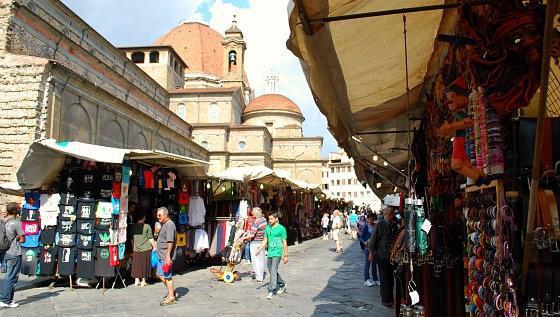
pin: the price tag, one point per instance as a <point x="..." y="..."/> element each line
<point x="426" y="226"/>
<point x="414" y="297"/>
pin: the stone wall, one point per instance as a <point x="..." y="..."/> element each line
<point x="215" y="138"/>
<point x="22" y="84"/>
<point x="275" y="121"/>
<point x="208" y="107"/>
<point x="245" y="139"/>
<point x="297" y="149"/>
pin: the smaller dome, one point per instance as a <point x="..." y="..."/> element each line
<point x="272" y="102"/>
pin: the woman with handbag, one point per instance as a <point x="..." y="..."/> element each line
<point x="143" y="244"/>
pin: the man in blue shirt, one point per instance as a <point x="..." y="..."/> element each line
<point x="353" y="220"/>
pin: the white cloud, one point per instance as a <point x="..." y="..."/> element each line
<point x="265" y="28"/>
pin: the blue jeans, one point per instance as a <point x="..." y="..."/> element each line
<point x="275" y="280"/>
<point x="369" y="265"/>
<point x="247" y="252"/>
<point x="12" y="274"/>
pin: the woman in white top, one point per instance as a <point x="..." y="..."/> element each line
<point x="325" y="226"/>
<point x="337" y="225"/>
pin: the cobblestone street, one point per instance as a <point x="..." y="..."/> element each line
<point x="319" y="283"/>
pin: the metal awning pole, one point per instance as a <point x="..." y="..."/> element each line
<point x="539" y="138"/>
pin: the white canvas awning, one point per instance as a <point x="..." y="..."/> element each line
<point x="266" y="176"/>
<point x="356" y="71"/>
<point x="45" y="158"/>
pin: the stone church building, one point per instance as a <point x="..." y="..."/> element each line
<point x="187" y="94"/>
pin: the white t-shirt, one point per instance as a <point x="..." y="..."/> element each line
<point x="337" y="223"/>
<point x="197" y="211"/>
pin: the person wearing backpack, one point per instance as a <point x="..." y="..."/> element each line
<point x="11" y="237"/>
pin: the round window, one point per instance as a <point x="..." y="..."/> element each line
<point x="204" y="144"/>
<point x="241" y="145"/>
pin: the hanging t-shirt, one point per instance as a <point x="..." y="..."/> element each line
<point x="86" y="209"/>
<point x="183" y="198"/>
<point x="122" y="220"/>
<point x="125" y="174"/>
<point x="30" y="214"/>
<point x="49" y="202"/>
<point x="106" y="179"/>
<point x="102" y="266"/>
<point x="115" y="222"/>
<point x="30" y="228"/>
<point x="114" y="255"/>
<point x="104" y="209"/>
<point x="48" y="235"/>
<point x="85" y="242"/>
<point x="141" y="181"/>
<point x="67" y="226"/>
<point x="148" y="179"/>
<point x="197" y="211"/>
<point x="86" y="264"/>
<point x="86" y="227"/>
<point x="183" y="219"/>
<point x="68" y="182"/>
<point x="29" y="260"/>
<point x="102" y="238"/>
<point x="67" y="240"/>
<point x="171" y="179"/>
<point x="103" y="223"/>
<point x="49" y="218"/>
<point x="31" y="241"/>
<point x="88" y="187"/>
<point x="122" y="249"/>
<point x="47" y="259"/>
<point x="117" y="189"/>
<point x="66" y="261"/>
<point x="68" y="199"/>
<point x="68" y="210"/>
<point x="116" y="205"/>
<point x="114" y="236"/>
<point x="201" y="242"/>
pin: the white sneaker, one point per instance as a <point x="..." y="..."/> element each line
<point x="368" y="283"/>
<point x="376" y="283"/>
<point x="281" y="289"/>
<point x="270" y="295"/>
<point x="4" y="305"/>
<point x="13" y="305"/>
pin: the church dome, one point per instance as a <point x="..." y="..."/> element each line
<point x="272" y="102"/>
<point x="198" y="45"/>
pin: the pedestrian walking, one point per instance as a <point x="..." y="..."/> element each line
<point x="12" y="235"/>
<point x="143" y="243"/>
<point x="379" y="246"/>
<point x="275" y="240"/>
<point x="353" y="223"/>
<point x="325" y="226"/>
<point x="256" y="237"/>
<point x="336" y="232"/>
<point x="362" y="223"/>
<point x="369" y="266"/>
<point x="166" y="254"/>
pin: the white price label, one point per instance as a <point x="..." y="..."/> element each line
<point x="426" y="226"/>
<point x="414" y="297"/>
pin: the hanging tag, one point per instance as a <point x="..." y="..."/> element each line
<point x="426" y="226"/>
<point x="414" y="297"/>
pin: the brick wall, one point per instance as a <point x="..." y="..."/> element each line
<point x="22" y="82"/>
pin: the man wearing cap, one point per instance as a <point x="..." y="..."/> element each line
<point x="15" y="236"/>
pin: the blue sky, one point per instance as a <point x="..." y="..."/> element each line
<point x="264" y="24"/>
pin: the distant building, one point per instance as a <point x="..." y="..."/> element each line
<point x="340" y="182"/>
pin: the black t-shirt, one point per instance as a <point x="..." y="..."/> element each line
<point x="66" y="225"/>
<point x="67" y="210"/>
<point x="48" y="235"/>
<point x="66" y="260"/>
<point x="103" y="223"/>
<point x="86" y="226"/>
<point x="67" y="240"/>
<point x="115" y="222"/>
<point x="102" y="266"/>
<point x="85" y="242"/>
<point x="29" y="260"/>
<point x="47" y="259"/>
<point x="86" y="264"/>
<point x="68" y="199"/>
<point x="88" y="187"/>
<point x="69" y="182"/>
<point x="86" y="209"/>
<point x="29" y="215"/>
<point x="106" y="176"/>
<point x="102" y="238"/>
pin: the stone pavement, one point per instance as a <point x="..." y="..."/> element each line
<point x="319" y="283"/>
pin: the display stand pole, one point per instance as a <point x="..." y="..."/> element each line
<point x="118" y="276"/>
<point x="70" y="277"/>
<point x="545" y="73"/>
<point x="102" y="285"/>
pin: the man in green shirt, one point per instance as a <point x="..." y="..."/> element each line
<point x="275" y="238"/>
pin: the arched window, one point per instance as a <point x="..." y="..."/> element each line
<point x="138" y="57"/>
<point x="181" y="111"/>
<point x="213" y="112"/>
<point x="232" y="57"/>
<point x="154" y="57"/>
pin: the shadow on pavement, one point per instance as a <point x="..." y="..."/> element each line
<point x="181" y="291"/>
<point x="345" y="293"/>
<point x="44" y="295"/>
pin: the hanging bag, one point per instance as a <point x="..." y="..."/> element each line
<point x="155" y="259"/>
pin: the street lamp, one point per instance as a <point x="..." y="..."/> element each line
<point x="375" y="158"/>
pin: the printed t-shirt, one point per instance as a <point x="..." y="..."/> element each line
<point x="275" y="236"/>
<point x="114" y="255"/>
<point x="13" y="230"/>
<point x="67" y="240"/>
<point x="88" y="187"/>
<point x="68" y="199"/>
<point x="86" y="264"/>
<point x="68" y="182"/>
<point x="183" y="198"/>
<point x="125" y="174"/>
<point x="353" y="218"/>
<point x="104" y="209"/>
<point x="106" y="177"/>
<point x="48" y="235"/>
<point x="141" y="233"/>
<point x="49" y="202"/>
<point x="102" y="238"/>
<point x="86" y="227"/>
<point x="31" y="241"/>
<point x="103" y="223"/>
<point x="67" y="225"/>
<point x="86" y="209"/>
<point x="66" y="261"/>
<point x="171" y="180"/>
<point x="257" y="229"/>
<point x="148" y="179"/>
<point x="117" y="186"/>
<point x="29" y="214"/>
<point x="47" y="259"/>
<point x="166" y="234"/>
<point x="29" y="260"/>
<point x="68" y="210"/>
<point x="30" y="228"/>
<point x="102" y="266"/>
<point x="85" y="242"/>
